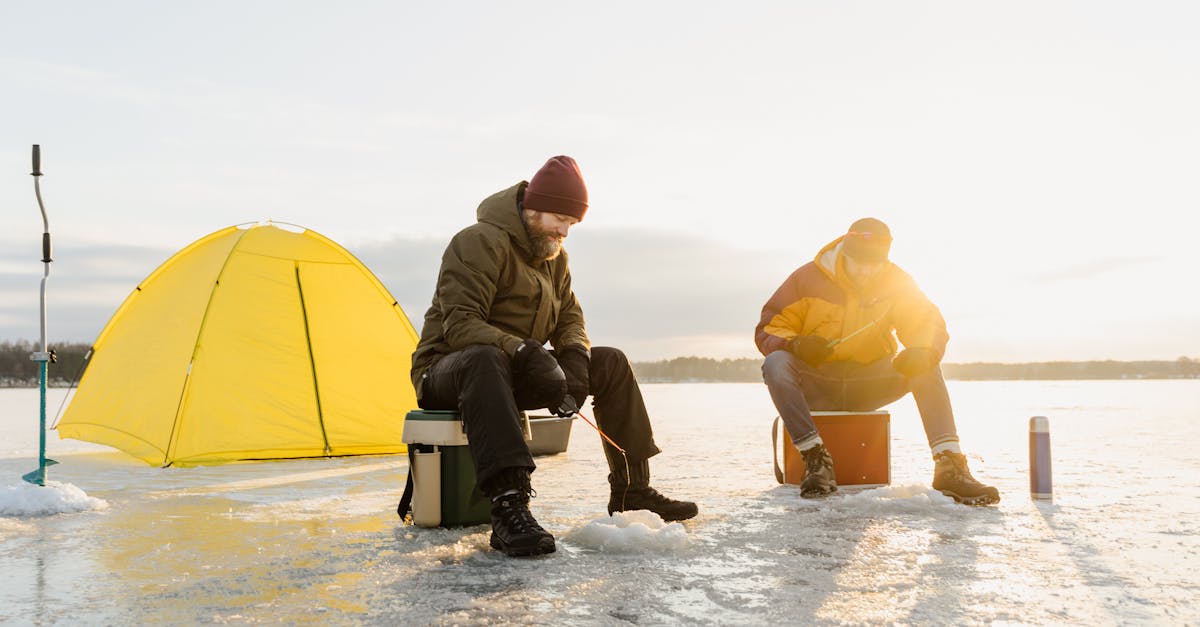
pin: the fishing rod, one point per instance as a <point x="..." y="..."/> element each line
<point x="864" y="327"/>
<point x="44" y="357"/>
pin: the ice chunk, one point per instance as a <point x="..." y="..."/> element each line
<point x="26" y="499"/>
<point x="638" y="530"/>
<point x="910" y="498"/>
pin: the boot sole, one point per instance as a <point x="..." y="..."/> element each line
<point x="678" y="518"/>
<point x="982" y="499"/>
<point x="544" y="546"/>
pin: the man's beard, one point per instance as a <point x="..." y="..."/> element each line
<point x="546" y="248"/>
<point x="544" y="244"/>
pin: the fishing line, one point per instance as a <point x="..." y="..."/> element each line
<point x="624" y="455"/>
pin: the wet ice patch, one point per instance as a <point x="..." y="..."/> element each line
<point x="910" y="498"/>
<point x="321" y="508"/>
<point x="639" y="530"/>
<point x="26" y="499"/>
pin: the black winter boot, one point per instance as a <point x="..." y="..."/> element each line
<point x="631" y="490"/>
<point x="514" y="529"/>
<point x="952" y="478"/>
<point x="819" y="479"/>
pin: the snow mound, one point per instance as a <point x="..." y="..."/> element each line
<point x="26" y="499"/>
<point x="635" y="531"/>
<point x="912" y="498"/>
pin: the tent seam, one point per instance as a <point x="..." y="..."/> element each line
<point x="187" y="382"/>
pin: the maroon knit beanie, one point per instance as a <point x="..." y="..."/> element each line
<point x="558" y="188"/>
<point x="868" y="239"/>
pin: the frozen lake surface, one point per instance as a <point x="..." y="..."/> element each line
<point x="318" y="541"/>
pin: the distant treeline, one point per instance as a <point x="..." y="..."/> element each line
<point x="748" y="370"/>
<point x="17" y="370"/>
<point x="1182" y="368"/>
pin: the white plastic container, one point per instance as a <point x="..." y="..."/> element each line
<point x="427" y="488"/>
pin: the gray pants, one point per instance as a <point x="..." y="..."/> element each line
<point x="798" y="389"/>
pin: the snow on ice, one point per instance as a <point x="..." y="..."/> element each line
<point x="27" y="499"/>
<point x="634" y="531"/>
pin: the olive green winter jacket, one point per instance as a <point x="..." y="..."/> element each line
<point x="490" y="292"/>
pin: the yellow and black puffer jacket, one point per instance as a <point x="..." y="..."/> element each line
<point x="819" y="299"/>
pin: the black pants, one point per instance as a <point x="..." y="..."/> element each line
<point x="798" y="389"/>
<point x="478" y="382"/>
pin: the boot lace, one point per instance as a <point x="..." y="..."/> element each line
<point x="516" y="515"/>
<point x="956" y="469"/>
<point x="654" y="497"/>
<point x="814" y="461"/>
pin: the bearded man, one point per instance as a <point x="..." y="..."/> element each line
<point x="503" y="292"/>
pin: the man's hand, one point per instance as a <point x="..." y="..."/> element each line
<point x="537" y="376"/>
<point x="575" y="362"/>
<point x="810" y="349"/>
<point x="914" y="362"/>
<point x="568" y="408"/>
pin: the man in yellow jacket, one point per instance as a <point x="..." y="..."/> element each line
<point x="503" y="292"/>
<point x="829" y="335"/>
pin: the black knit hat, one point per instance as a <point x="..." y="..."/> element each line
<point x="868" y="240"/>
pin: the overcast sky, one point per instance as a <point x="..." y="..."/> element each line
<point x="1036" y="160"/>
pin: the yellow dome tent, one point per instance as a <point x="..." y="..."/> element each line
<point x="251" y="343"/>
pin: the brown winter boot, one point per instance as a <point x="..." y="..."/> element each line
<point x="952" y="478"/>
<point x="819" y="479"/>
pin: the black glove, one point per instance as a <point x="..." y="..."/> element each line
<point x="568" y="408"/>
<point x="810" y="349"/>
<point x="575" y="362"/>
<point x="537" y="377"/>
<point x="916" y="361"/>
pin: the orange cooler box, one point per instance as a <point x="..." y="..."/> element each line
<point x="860" y="443"/>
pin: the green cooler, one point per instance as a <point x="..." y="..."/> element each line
<point x="443" y="472"/>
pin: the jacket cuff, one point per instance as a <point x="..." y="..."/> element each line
<point x="575" y="347"/>
<point x="509" y="344"/>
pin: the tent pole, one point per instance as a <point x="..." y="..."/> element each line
<point x="312" y="362"/>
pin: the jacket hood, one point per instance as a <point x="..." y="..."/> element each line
<point x="828" y="259"/>
<point x="500" y="210"/>
<point x="891" y="279"/>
